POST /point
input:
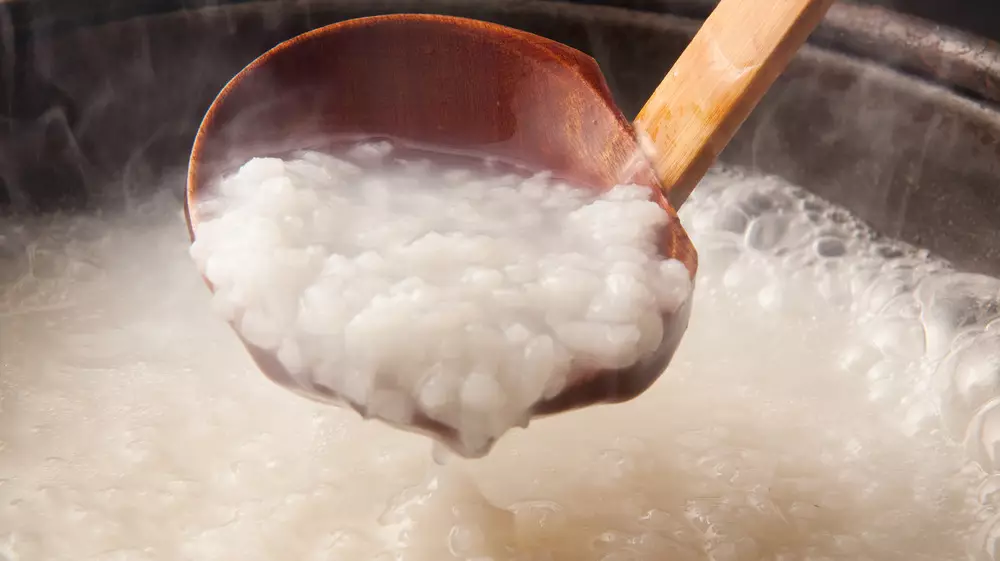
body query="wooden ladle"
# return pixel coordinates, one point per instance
(460, 83)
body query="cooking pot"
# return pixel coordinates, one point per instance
(892, 116)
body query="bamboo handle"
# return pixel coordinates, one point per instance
(738, 53)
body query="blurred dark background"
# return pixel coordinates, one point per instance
(904, 129)
(978, 16)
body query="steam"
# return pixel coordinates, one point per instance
(94, 116)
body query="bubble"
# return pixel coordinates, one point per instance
(989, 490)
(968, 378)
(897, 337)
(766, 232)
(954, 302)
(830, 247)
(465, 540)
(756, 203)
(982, 439)
(758, 443)
(985, 543)
(728, 219)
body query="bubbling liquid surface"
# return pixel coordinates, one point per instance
(835, 397)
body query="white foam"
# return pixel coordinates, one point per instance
(385, 269)
(134, 425)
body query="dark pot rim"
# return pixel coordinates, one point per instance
(962, 61)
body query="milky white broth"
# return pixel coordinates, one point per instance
(823, 404)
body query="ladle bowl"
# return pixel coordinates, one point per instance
(467, 85)
(452, 83)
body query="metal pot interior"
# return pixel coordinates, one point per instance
(99, 112)
(886, 115)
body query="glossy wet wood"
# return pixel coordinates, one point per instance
(733, 60)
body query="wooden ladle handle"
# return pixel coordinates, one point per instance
(733, 60)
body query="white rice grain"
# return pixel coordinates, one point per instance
(387, 268)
